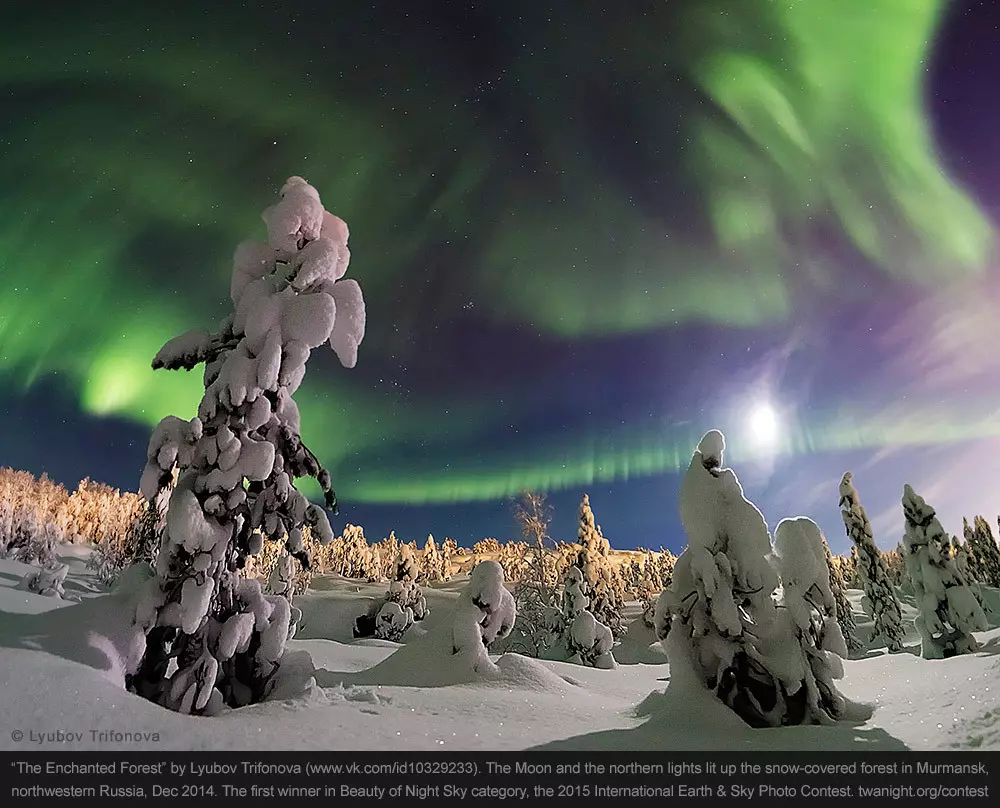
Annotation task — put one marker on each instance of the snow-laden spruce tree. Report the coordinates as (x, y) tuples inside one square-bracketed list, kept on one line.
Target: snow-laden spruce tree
[(880, 598), (432, 562), (602, 588), (986, 552), (204, 635), (722, 593), (948, 610), (845, 615), (485, 612), (806, 648)]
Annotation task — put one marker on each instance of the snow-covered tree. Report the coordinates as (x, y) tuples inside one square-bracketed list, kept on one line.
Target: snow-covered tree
[(660, 617), (601, 584), (851, 575), (808, 665), (392, 621), (203, 634), (485, 612), (651, 583), (984, 551), (948, 610), (574, 633), (432, 562), (407, 598), (880, 598), (722, 593), (845, 615)]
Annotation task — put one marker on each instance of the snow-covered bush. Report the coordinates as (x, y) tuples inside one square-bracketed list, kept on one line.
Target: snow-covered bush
[(575, 633), (47, 581), (99, 514), (392, 621), (137, 543), (880, 598), (404, 598), (589, 642), (485, 612), (203, 634), (722, 593), (948, 610), (807, 647), (30, 509)]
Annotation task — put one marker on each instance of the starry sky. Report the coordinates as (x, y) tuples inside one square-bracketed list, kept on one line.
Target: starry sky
[(586, 233)]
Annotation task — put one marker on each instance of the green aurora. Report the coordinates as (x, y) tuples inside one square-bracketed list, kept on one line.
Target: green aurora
[(136, 157)]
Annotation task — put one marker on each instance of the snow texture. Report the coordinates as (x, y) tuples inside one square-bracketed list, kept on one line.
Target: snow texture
[(60, 667)]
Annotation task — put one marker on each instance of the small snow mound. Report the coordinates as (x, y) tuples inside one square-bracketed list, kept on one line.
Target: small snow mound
[(295, 677), (525, 673)]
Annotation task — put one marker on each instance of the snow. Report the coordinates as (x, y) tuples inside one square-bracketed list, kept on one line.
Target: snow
[(58, 670)]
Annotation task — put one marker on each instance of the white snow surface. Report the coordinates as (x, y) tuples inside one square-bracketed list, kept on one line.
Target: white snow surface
[(59, 670)]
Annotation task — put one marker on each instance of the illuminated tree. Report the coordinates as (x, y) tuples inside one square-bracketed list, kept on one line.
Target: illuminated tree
[(535, 595), (813, 660), (880, 598), (845, 615), (722, 596), (203, 634), (948, 610)]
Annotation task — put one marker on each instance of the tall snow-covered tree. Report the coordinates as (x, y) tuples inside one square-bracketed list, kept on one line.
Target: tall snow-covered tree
[(948, 610), (845, 615), (880, 598), (722, 596), (204, 635), (601, 585)]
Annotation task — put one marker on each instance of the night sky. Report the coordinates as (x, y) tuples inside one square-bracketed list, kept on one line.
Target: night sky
[(586, 234)]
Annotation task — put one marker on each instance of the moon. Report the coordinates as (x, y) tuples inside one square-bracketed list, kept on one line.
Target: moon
[(764, 424)]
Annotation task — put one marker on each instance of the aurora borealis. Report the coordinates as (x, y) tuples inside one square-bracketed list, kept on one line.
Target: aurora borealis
[(585, 237)]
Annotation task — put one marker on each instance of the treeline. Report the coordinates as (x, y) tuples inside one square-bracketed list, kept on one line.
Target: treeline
[(37, 513)]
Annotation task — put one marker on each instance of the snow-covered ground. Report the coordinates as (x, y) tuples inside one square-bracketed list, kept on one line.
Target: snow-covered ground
[(58, 673)]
